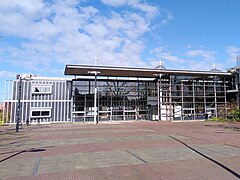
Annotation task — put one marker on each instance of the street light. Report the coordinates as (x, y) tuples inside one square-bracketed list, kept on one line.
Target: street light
[(23, 77), (95, 73), (159, 95)]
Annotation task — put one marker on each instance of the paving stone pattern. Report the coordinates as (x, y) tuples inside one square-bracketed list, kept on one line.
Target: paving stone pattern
[(123, 150)]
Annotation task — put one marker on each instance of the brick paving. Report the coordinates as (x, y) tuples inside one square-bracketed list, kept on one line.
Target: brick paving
[(121, 150)]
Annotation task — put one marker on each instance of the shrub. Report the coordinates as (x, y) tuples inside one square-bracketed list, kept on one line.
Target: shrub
[(1, 121), (6, 119), (236, 114), (214, 119)]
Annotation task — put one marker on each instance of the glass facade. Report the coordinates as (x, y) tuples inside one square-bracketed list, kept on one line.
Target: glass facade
[(167, 97)]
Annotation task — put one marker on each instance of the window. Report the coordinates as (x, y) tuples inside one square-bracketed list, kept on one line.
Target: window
[(40, 113), (41, 89)]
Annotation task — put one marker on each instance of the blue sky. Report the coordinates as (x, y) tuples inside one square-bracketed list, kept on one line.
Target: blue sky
[(40, 37)]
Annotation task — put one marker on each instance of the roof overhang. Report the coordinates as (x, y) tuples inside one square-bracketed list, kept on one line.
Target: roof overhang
[(83, 70), (233, 69)]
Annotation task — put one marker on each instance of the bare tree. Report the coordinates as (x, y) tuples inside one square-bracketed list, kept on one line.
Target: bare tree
[(119, 88)]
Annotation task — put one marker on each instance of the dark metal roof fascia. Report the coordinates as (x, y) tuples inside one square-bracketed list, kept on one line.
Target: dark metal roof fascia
[(233, 68), (142, 70)]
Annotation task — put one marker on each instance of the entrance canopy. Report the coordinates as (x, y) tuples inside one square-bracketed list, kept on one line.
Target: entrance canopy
[(83, 70)]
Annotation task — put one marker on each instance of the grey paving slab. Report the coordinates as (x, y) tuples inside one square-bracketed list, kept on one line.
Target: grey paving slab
[(16, 168), (23, 145), (165, 154), (215, 150), (95, 160), (86, 161), (87, 131), (76, 161), (141, 138)]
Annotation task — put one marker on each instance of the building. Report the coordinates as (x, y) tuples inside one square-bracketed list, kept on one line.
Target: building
[(1, 106), (234, 92), (103, 93), (42, 100)]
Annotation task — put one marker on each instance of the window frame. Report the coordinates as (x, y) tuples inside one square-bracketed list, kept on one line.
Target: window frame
[(41, 110), (41, 86)]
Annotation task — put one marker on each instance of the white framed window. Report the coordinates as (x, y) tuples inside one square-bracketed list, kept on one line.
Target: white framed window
[(41, 89), (40, 112)]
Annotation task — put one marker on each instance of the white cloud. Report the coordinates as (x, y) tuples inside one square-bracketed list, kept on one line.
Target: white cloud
[(233, 52), (27, 7), (199, 59), (166, 55), (115, 2), (150, 10), (67, 32), (207, 55), (168, 16), (196, 59), (7, 74), (54, 33)]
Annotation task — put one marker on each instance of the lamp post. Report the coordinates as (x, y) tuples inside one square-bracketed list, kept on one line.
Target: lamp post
[(159, 95), (19, 102), (159, 98), (23, 77), (95, 94)]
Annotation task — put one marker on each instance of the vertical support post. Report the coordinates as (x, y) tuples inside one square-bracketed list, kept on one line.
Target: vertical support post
[(15, 94), (225, 97), (137, 102), (111, 113), (85, 107), (215, 97), (98, 106), (159, 94), (194, 102), (4, 104), (95, 99), (204, 98), (22, 113), (19, 103), (9, 86), (238, 85), (170, 98), (95, 95), (73, 109), (158, 100), (182, 109), (111, 108)]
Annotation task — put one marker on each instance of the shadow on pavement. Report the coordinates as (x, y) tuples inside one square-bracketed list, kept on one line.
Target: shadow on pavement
[(24, 151), (203, 155)]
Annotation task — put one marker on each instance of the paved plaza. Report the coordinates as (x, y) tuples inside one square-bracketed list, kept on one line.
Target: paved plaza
[(121, 150)]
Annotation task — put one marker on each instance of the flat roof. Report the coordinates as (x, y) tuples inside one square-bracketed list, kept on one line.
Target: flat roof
[(84, 70)]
